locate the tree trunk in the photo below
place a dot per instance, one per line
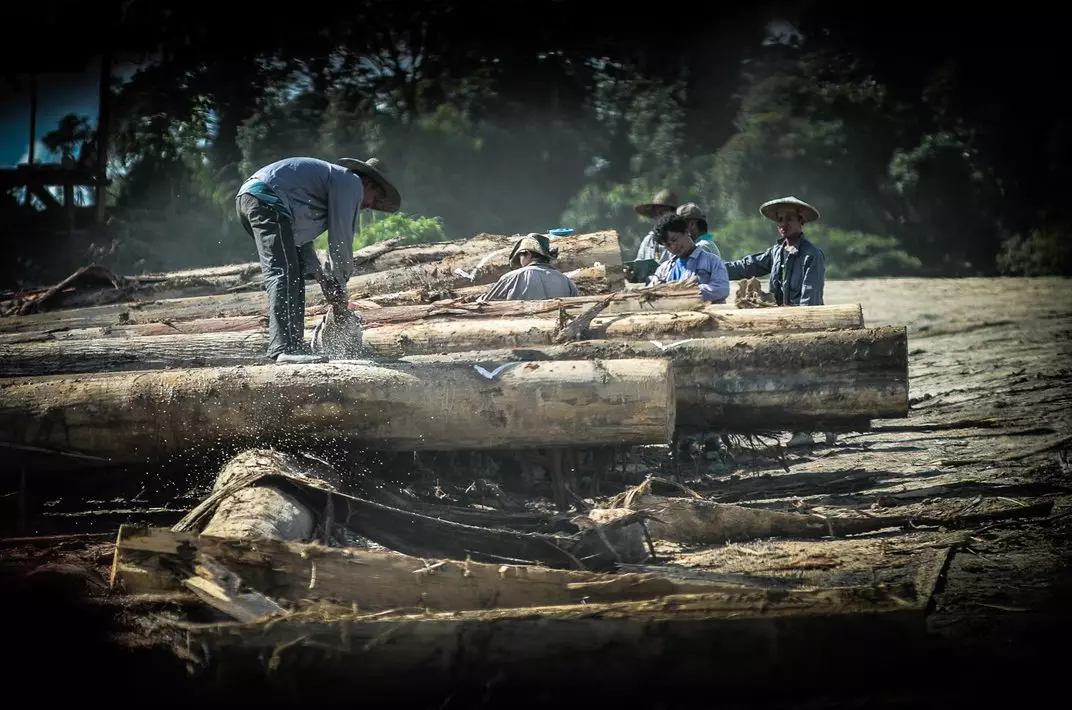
(262, 511)
(447, 335)
(380, 580)
(738, 640)
(590, 281)
(445, 331)
(316, 504)
(824, 381)
(401, 307)
(695, 521)
(581, 251)
(574, 252)
(144, 416)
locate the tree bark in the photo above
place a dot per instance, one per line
(448, 330)
(146, 416)
(316, 504)
(380, 580)
(575, 251)
(824, 381)
(642, 647)
(590, 281)
(578, 252)
(439, 336)
(695, 521)
(259, 512)
(401, 307)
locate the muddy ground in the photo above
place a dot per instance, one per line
(989, 428)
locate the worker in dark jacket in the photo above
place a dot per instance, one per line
(797, 267)
(284, 207)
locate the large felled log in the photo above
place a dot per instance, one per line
(375, 580)
(297, 489)
(447, 331)
(737, 640)
(185, 283)
(454, 272)
(590, 280)
(140, 416)
(702, 522)
(824, 381)
(402, 307)
(491, 252)
(439, 336)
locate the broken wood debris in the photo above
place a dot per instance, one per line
(310, 501)
(153, 560)
(689, 520)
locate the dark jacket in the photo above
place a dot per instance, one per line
(805, 272)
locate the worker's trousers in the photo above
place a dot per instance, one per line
(283, 269)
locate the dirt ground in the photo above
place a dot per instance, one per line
(989, 428)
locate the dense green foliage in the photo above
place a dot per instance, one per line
(573, 121)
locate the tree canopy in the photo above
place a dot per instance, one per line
(928, 142)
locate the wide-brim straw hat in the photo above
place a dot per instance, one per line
(536, 243)
(768, 209)
(375, 169)
(663, 198)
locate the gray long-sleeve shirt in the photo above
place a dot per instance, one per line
(797, 278)
(319, 196)
(648, 249)
(534, 282)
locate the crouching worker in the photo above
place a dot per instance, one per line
(688, 263)
(532, 278)
(286, 205)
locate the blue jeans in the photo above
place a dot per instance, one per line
(283, 269)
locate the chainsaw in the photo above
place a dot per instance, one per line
(339, 333)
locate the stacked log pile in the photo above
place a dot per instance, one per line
(162, 375)
(290, 550)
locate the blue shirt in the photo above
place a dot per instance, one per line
(317, 196)
(708, 269)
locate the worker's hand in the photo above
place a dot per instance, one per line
(334, 292)
(690, 281)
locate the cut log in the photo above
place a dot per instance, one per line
(491, 252)
(578, 251)
(735, 640)
(590, 280)
(405, 307)
(138, 353)
(825, 381)
(186, 283)
(440, 330)
(259, 512)
(702, 522)
(377, 580)
(339, 516)
(140, 416)
(445, 336)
